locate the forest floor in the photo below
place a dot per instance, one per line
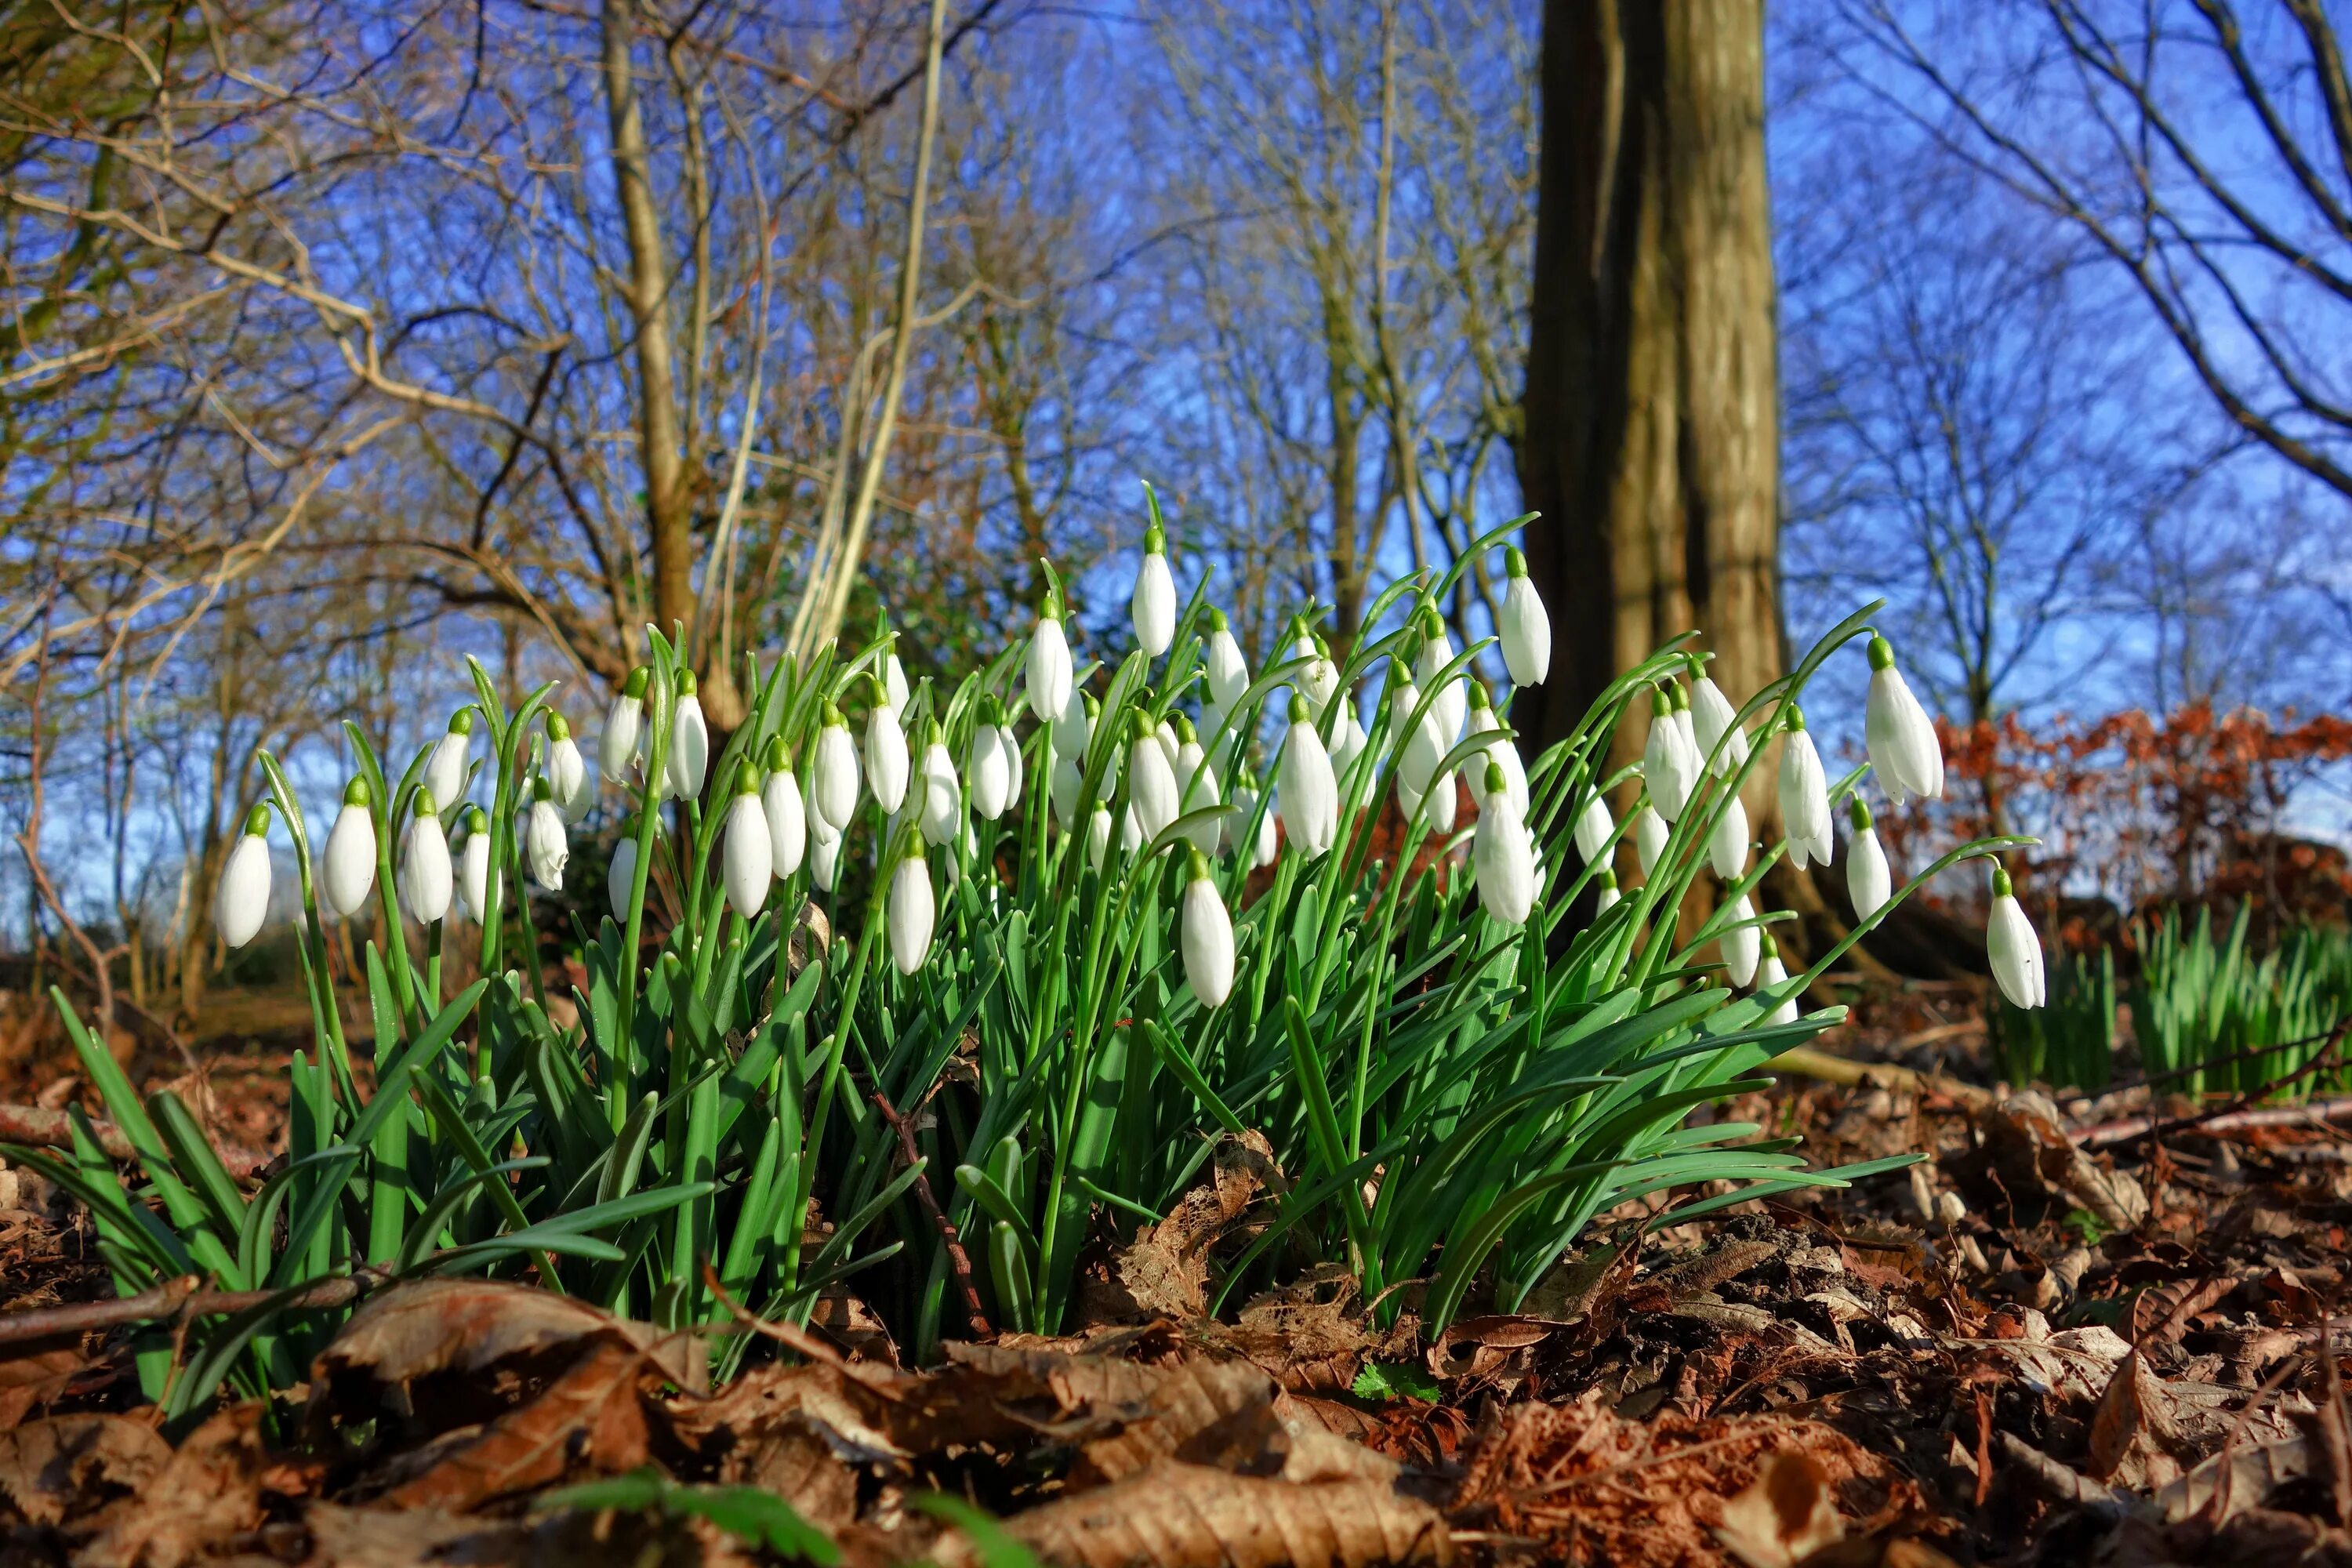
(2062, 1339)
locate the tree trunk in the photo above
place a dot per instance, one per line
(1650, 442)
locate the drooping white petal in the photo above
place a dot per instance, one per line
(424, 879)
(2014, 948)
(1451, 703)
(1011, 743)
(690, 748)
(1049, 669)
(1443, 801)
(747, 855)
(1726, 842)
(1309, 793)
(1608, 898)
(1504, 857)
(1227, 670)
(887, 763)
(1769, 973)
(1150, 786)
(1196, 787)
(824, 855)
(1070, 776)
(1868, 881)
(620, 880)
(1712, 719)
(1153, 604)
(942, 812)
(894, 682)
(990, 770)
(568, 779)
(1099, 826)
(1073, 726)
(1667, 763)
(1593, 825)
(780, 802)
(241, 902)
(1523, 625)
(616, 747)
(445, 774)
(833, 780)
(544, 845)
(474, 871)
(1904, 751)
(1740, 947)
(913, 911)
(1206, 936)
(1650, 833)
(348, 875)
(1804, 801)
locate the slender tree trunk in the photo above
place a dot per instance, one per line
(1650, 437)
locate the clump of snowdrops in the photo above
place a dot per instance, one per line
(1057, 930)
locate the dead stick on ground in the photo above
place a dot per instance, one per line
(958, 1262)
(175, 1301)
(41, 1127)
(2316, 1114)
(1806, 1062)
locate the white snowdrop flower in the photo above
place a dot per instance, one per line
(1593, 825)
(1649, 837)
(689, 743)
(886, 761)
(1196, 787)
(1804, 795)
(942, 802)
(1712, 719)
(1206, 936)
(1728, 842)
(621, 878)
(1403, 702)
(1450, 704)
(1668, 762)
(746, 852)
(1322, 680)
(1521, 625)
(1504, 854)
(474, 867)
(1684, 722)
(1153, 604)
(780, 803)
(1070, 776)
(894, 682)
(825, 854)
(1098, 836)
(1151, 780)
(1011, 744)
(1049, 668)
(1741, 946)
(1309, 794)
(241, 901)
(1269, 836)
(1227, 670)
(1423, 749)
(1444, 801)
(544, 842)
(1503, 753)
(568, 777)
(1349, 742)
(2011, 944)
(1130, 837)
(347, 874)
(833, 777)
(1169, 744)
(989, 765)
(425, 880)
(1770, 974)
(616, 747)
(913, 911)
(1073, 726)
(1867, 880)
(445, 773)
(1904, 751)
(1607, 896)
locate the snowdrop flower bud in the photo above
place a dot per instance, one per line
(1404, 701)
(1522, 626)
(1451, 704)
(1049, 663)
(474, 867)
(621, 879)
(1073, 726)
(1070, 776)
(990, 765)
(1690, 731)
(1269, 839)
(1904, 751)
(1228, 671)
(242, 900)
(1130, 837)
(942, 804)
(887, 761)
(1804, 795)
(825, 854)
(1712, 719)
(444, 774)
(1153, 606)
(913, 909)
(1727, 845)
(1504, 854)
(617, 749)
(542, 841)
(1740, 947)
(1350, 742)
(1309, 794)
(746, 853)
(567, 774)
(1770, 974)
(1196, 787)
(1667, 759)
(2010, 943)
(1206, 936)
(1444, 801)
(1607, 897)
(1649, 837)
(1867, 880)
(1169, 744)
(348, 875)
(424, 875)
(1011, 743)
(1502, 753)
(689, 743)
(1322, 678)
(780, 803)
(894, 682)
(833, 777)
(1593, 825)
(1151, 780)
(1098, 836)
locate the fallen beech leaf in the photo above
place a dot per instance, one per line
(1205, 1413)
(208, 1491)
(590, 1418)
(2134, 1427)
(32, 1372)
(62, 1468)
(1165, 1271)
(1784, 1516)
(2237, 1479)
(468, 1325)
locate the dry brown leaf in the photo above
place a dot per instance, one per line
(68, 1465)
(2133, 1427)
(2026, 1139)
(1785, 1515)
(414, 1331)
(1205, 1413)
(2239, 1478)
(208, 1491)
(1165, 1271)
(34, 1372)
(588, 1419)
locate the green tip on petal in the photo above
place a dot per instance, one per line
(1607, 878)
(1661, 704)
(1498, 782)
(1298, 714)
(1185, 733)
(421, 805)
(461, 722)
(540, 790)
(1198, 865)
(357, 793)
(1858, 812)
(2002, 886)
(1217, 621)
(747, 782)
(1882, 653)
(476, 820)
(829, 716)
(1795, 725)
(257, 821)
(558, 727)
(775, 758)
(685, 682)
(1515, 562)
(1154, 542)
(634, 687)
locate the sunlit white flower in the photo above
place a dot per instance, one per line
(1321, 683)
(833, 777)
(1099, 826)
(474, 867)
(1607, 896)
(1770, 974)
(1404, 701)
(1309, 793)
(1728, 842)
(942, 802)
(1268, 841)
(825, 854)
(616, 747)
(1153, 604)
(1741, 946)
(1206, 936)
(241, 902)
(346, 874)
(1449, 703)
(887, 763)
(2012, 946)
(1151, 780)
(1684, 722)
(1228, 672)
(1522, 626)
(1867, 880)
(1504, 854)
(1668, 762)
(568, 777)
(1444, 801)
(1196, 787)
(1169, 744)
(425, 880)
(1904, 751)
(1503, 753)
(621, 877)
(543, 843)
(1712, 719)
(894, 682)
(1073, 726)
(1011, 744)
(1070, 776)
(1348, 741)
(746, 853)
(780, 802)
(1593, 826)
(1804, 796)
(1650, 833)
(990, 765)
(689, 743)
(1049, 663)
(913, 911)
(445, 773)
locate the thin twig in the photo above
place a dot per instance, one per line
(958, 1262)
(176, 1302)
(39, 1125)
(2234, 1116)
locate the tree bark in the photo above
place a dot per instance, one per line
(1651, 433)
